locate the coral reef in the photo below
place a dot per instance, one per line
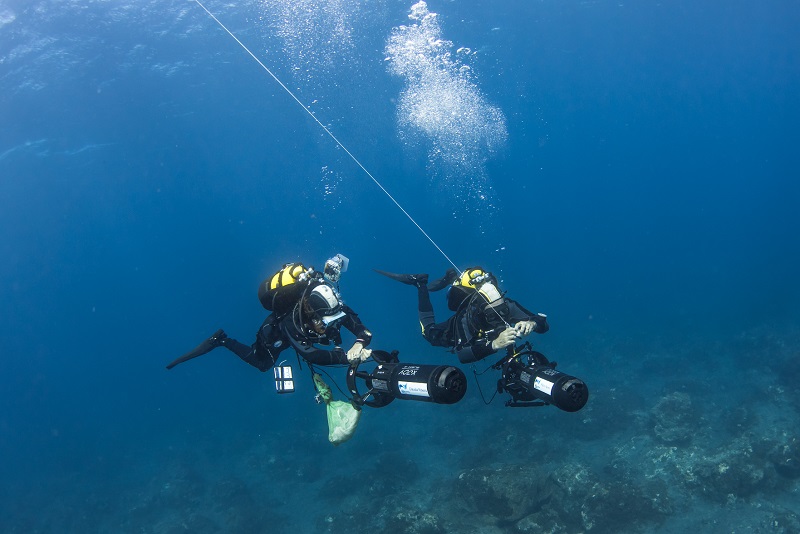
(645, 455)
(674, 419)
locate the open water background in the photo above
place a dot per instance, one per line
(630, 169)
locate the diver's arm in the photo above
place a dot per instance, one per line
(476, 351)
(540, 323)
(313, 354)
(487, 345)
(517, 314)
(306, 349)
(352, 323)
(358, 352)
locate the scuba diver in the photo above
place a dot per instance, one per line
(484, 321)
(307, 311)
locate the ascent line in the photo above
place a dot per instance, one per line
(327, 131)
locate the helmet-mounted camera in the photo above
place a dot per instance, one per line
(334, 267)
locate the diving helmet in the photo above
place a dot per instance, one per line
(324, 305)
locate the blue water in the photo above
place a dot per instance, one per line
(630, 169)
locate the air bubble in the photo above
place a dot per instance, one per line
(441, 105)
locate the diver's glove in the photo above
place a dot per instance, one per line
(358, 353)
(507, 337)
(524, 328)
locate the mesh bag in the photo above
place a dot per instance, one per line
(342, 416)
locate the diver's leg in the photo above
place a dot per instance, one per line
(437, 334)
(237, 347)
(425, 311)
(256, 355)
(259, 354)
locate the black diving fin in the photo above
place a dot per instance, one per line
(216, 340)
(410, 279)
(419, 279)
(444, 281)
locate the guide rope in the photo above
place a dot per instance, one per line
(330, 134)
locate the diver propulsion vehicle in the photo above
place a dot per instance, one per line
(440, 384)
(526, 375)
(532, 380)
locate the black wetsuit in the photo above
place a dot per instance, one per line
(279, 334)
(470, 332)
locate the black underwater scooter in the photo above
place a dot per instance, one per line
(532, 380)
(527, 375)
(390, 380)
